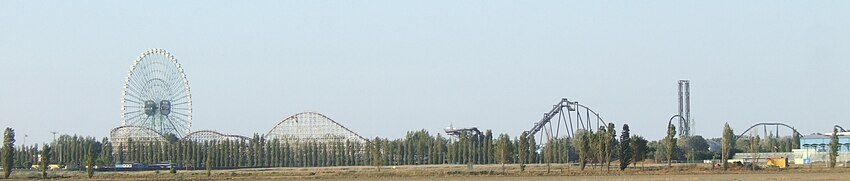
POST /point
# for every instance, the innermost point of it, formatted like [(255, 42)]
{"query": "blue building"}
[(820, 142)]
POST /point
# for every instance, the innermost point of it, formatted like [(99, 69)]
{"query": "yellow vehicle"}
[(780, 162), (51, 166)]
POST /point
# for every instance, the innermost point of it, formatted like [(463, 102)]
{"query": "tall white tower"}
[(685, 107)]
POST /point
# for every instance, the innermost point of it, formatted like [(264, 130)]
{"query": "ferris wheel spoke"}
[(133, 96), (178, 78), (139, 121), (132, 112), (181, 103), (177, 84), (143, 75), (133, 101), (149, 122), (133, 119), (155, 84), (172, 124), (142, 95), (138, 102), (173, 80), (181, 98), (177, 93), (182, 119), (183, 114), (132, 88)]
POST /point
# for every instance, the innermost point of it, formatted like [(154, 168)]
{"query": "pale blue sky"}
[(386, 67)]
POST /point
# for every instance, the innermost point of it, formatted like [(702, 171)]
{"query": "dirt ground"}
[(461, 172), (742, 177)]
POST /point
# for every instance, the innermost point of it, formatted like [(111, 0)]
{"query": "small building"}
[(761, 158), (820, 142), (814, 148)]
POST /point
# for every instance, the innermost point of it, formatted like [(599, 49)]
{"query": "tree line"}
[(416, 148), (597, 149)]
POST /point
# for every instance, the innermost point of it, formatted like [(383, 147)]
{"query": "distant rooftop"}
[(826, 135)]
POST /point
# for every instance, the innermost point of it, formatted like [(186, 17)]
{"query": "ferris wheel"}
[(156, 95)]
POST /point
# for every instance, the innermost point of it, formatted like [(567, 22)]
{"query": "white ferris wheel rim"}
[(183, 81)]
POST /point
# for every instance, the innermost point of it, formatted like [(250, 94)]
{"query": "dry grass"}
[(460, 172)]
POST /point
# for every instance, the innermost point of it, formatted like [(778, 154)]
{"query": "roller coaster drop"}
[(573, 115)]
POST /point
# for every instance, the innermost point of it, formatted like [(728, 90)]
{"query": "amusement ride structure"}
[(156, 106)]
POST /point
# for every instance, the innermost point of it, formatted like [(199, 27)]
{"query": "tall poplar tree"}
[(45, 160), (625, 148), (640, 147), (727, 144), (611, 144), (522, 151), (377, 156), (8, 152), (208, 162), (754, 149), (548, 154), (670, 144), (583, 147), (90, 161), (833, 148), (503, 152)]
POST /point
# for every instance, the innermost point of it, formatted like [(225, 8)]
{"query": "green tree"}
[(754, 149), (548, 154), (640, 147), (833, 148), (45, 160), (90, 161), (670, 144), (610, 145), (625, 148), (583, 146), (488, 147), (600, 145), (120, 157), (772, 143), (795, 141), (105, 157), (439, 150), (727, 145), (504, 149), (377, 156), (8, 151), (171, 168), (532, 150), (695, 147), (130, 156), (522, 151), (208, 163)]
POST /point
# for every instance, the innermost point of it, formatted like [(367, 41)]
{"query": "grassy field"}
[(461, 172)]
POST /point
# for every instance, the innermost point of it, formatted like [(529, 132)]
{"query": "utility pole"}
[(54, 135), (59, 151)]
